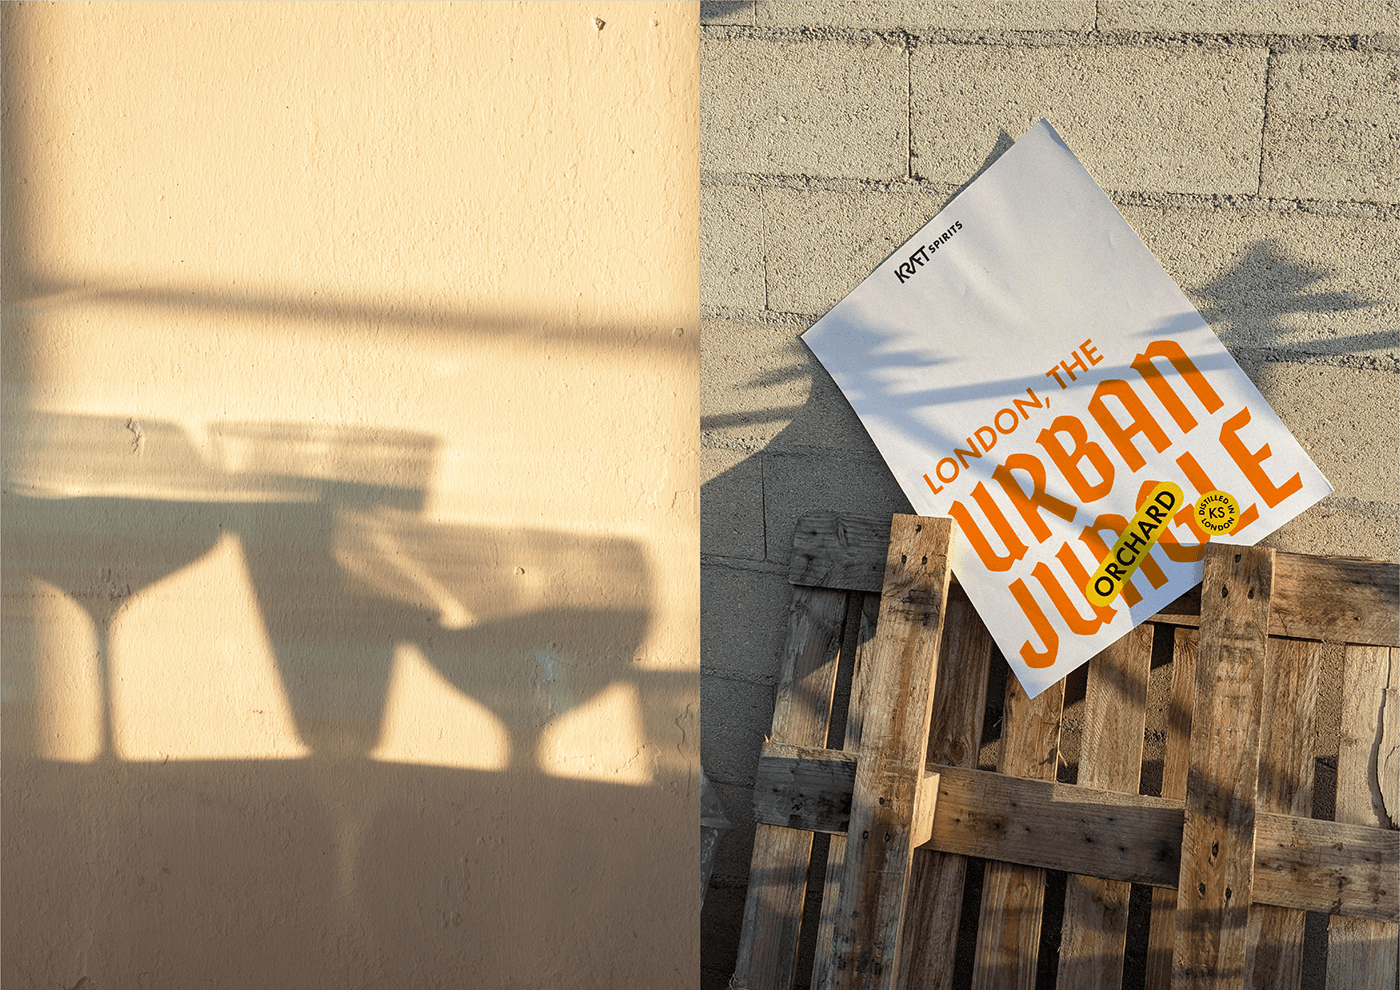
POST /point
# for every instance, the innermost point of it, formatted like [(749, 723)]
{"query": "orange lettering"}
[(1077, 623), (1046, 632), (1172, 351), (974, 452), (1021, 404), (1250, 462), (1079, 577), (1068, 460), (1029, 505), (992, 560), (1139, 421)]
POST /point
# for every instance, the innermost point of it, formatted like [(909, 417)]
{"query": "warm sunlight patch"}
[(428, 721), (194, 676), (602, 739), (67, 675)]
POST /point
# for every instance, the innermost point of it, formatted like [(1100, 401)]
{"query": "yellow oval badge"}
[(1139, 538), (1217, 512)]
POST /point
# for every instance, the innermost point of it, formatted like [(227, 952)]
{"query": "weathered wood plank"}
[(1322, 598), (823, 970), (773, 908), (901, 665), (840, 551), (1336, 600), (1330, 867), (781, 856), (1362, 953), (1161, 932), (804, 787), (1388, 757), (1125, 837), (1217, 844), (1286, 753), (1095, 926), (1008, 935), (1300, 863), (955, 733)]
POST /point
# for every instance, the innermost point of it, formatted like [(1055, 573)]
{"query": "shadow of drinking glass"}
[(344, 566)]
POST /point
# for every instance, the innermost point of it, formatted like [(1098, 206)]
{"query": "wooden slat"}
[(1300, 863), (1329, 867), (1217, 846), (900, 666), (823, 971), (1322, 598), (1286, 753), (1161, 933), (1095, 926), (781, 856), (1336, 600), (955, 734), (1128, 837), (1008, 935), (833, 551), (1388, 757), (1362, 953), (804, 787)]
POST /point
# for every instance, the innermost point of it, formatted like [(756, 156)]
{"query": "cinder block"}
[(731, 503), (821, 244), (827, 108), (795, 484), (720, 927), (731, 248), (1333, 127), (1327, 529), (1305, 17), (715, 12), (735, 717), (736, 849), (950, 15), (1273, 280), (1345, 419), (1161, 120), (754, 379), (1284, 281), (761, 387), (743, 622)]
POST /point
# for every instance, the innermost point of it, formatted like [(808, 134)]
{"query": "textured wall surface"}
[(1255, 147), (351, 516)]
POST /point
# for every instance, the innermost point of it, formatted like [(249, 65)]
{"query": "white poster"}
[(1026, 366)]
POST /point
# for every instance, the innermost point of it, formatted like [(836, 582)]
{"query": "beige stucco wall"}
[(351, 495)]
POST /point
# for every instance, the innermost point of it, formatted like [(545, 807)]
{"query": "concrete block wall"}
[(1255, 147)]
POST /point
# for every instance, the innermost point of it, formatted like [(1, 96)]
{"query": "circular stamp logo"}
[(1217, 512)]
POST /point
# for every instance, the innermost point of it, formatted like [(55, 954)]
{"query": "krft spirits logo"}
[(924, 252)]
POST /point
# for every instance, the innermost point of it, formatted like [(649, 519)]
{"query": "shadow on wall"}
[(268, 722), (718, 9), (1246, 305), (1276, 285), (238, 866), (345, 572)]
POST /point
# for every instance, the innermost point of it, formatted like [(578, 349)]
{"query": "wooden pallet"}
[(1233, 861)]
